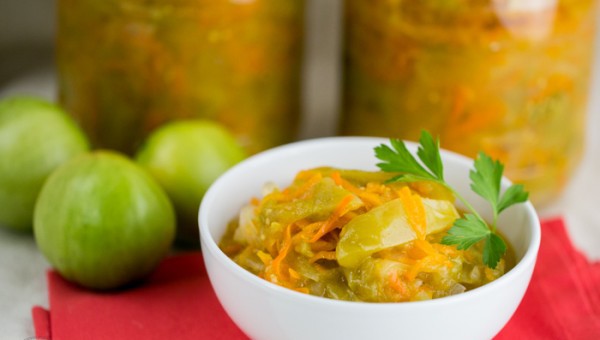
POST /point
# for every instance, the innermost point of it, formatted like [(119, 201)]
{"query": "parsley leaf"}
[(429, 154), (485, 178), (493, 250), (466, 232), (471, 229), (513, 195), (399, 159)]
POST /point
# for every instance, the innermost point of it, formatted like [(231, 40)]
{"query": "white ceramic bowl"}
[(266, 311)]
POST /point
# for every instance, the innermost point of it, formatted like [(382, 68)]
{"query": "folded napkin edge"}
[(41, 322)]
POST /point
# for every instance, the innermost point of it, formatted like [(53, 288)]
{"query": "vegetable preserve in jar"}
[(126, 67), (507, 77)]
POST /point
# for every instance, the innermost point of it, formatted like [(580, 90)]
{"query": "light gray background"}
[(26, 66)]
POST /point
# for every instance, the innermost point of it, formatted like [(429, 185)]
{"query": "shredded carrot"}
[(406, 261), (425, 247), (425, 264), (285, 249), (415, 211), (305, 187), (414, 270), (337, 178), (489, 273), (372, 199), (415, 252), (309, 230), (329, 225), (397, 284)]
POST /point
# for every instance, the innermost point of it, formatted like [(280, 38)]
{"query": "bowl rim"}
[(210, 246)]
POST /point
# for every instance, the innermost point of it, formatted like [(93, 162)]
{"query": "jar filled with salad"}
[(126, 67), (509, 77)]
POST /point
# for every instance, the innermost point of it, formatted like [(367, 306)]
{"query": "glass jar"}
[(128, 66), (507, 77)]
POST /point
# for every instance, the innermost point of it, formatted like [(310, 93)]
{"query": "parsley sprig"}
[(485, 182)]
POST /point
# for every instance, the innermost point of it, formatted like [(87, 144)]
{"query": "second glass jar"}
[(509, 78)]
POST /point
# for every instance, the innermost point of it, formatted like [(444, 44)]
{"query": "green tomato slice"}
[(387, 226)]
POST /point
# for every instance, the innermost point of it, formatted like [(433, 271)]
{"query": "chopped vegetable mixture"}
[(351, 235)]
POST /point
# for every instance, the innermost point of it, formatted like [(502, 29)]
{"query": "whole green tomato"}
[(102, 221), (186, 157), (35, 138)]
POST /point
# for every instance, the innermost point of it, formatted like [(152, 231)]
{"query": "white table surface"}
[(22, 267)]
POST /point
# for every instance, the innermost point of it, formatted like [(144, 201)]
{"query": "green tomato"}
[(102, 221), (35, 138), (186, 157), (387, 226)]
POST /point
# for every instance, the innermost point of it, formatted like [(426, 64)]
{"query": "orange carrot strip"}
[(337, 178), (415, 211), (397, 284), (425, 247), (312, 181), (370, 198), (414, 270), (329, 225), (309, 230), (287, 244)]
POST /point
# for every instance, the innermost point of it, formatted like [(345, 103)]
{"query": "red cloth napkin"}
[(177, 302), (563, 298)]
